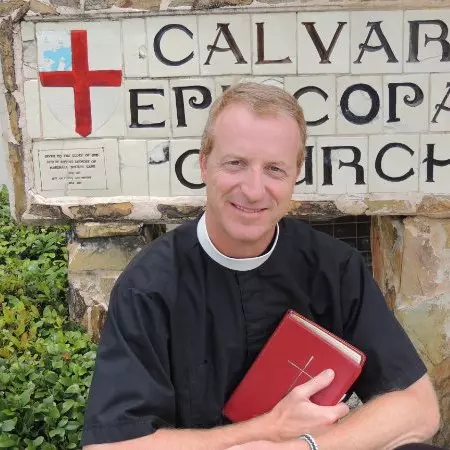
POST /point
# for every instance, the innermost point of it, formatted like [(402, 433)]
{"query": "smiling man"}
[(192, 311)]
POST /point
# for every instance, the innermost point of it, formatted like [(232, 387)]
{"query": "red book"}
[(297, 351)]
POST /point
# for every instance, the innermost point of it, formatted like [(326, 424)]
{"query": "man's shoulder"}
[(314, 243), (159, 260)]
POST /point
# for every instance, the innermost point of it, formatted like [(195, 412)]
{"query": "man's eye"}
[(234, 163)]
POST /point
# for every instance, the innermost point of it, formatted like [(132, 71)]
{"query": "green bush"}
[(46, 362)]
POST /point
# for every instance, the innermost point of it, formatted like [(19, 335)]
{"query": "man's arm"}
[(294, 415), (384, 423)]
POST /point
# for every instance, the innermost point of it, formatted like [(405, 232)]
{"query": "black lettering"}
[(308, 178), (379, 160), (414, 39), (384, 44), (441, 106), (179, 101), (410, 101), (354, 118), (328, 167), (260, 48), (323, 52), (157, 45), (223, 29), (431, 162), (135, 107), (179, 170), (316, 90)]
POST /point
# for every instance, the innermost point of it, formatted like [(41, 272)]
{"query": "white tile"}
[(274, 43), (342, 165), (434, 179), (105, 103), (358, 111), (323, 42), (158, 162), (33, 115), (133, 167), (423, 52), (190, 101), (232, 33), (406, 107), (222, 83), (439, 95), (377, 41), (151, 117), (307, 180), (79, 167), (390, 160), (58, 112), (185, 175), (29, 50), (173, 46), (316, 95), (135, 51)]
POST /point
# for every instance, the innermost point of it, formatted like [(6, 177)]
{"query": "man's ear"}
[(203, 160)]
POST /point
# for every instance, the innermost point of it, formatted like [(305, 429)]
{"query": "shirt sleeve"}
[(392, 362), (131, 393)]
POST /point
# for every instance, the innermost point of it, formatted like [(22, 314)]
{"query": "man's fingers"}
[(316, 384), (339, 411)]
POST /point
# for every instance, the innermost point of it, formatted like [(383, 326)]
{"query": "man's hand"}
[(295, 414)]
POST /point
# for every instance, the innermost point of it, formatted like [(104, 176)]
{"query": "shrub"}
[(46, 362)]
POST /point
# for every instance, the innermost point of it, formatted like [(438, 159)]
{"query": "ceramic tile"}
[(439, 98), (316, 95), (423, 50), (360, 105), (29, 50), (135, 51), (307, 180), (232, 32), (377, 41), (106, 103), (406, 107), (342, 165), (158, 162), (390, 160), (190, 101), (173, 46), (185, 175), (88, 168), (147, 108), (133, 167), (323, 42), (31, 93), (434, 179), (222, 83), (274, 43)]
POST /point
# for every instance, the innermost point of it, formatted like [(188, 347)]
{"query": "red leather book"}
[(297, 351)]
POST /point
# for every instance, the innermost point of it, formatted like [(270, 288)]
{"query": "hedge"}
[(46, 361)]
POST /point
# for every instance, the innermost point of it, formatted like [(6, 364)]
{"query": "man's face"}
[(250, 175)]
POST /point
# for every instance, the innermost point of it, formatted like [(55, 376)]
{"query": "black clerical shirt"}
[(183, 328)]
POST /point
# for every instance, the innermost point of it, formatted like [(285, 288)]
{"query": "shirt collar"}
[(240, 264)]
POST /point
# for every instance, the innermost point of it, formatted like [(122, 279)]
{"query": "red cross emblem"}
[(80, 78)]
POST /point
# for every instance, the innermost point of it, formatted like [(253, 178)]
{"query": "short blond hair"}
[(262, 100)]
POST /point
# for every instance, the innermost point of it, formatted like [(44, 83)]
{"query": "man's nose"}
[(253, 186)]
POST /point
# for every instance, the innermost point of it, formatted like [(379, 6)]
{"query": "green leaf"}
[(9, 425), (25, 397), (38, 441), (7, 442), (74, 389)]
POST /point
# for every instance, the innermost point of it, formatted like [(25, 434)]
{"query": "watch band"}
[(310, 440)]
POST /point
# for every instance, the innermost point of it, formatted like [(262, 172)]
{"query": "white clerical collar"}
[(240, 264)]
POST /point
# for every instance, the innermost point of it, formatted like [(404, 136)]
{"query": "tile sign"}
[(118, 107)]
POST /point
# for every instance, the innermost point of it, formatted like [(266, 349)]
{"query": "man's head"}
[(251, 153)]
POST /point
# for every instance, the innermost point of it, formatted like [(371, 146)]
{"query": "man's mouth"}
[(248, 210)]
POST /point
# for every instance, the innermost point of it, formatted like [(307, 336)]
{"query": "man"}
[(192, 311)]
